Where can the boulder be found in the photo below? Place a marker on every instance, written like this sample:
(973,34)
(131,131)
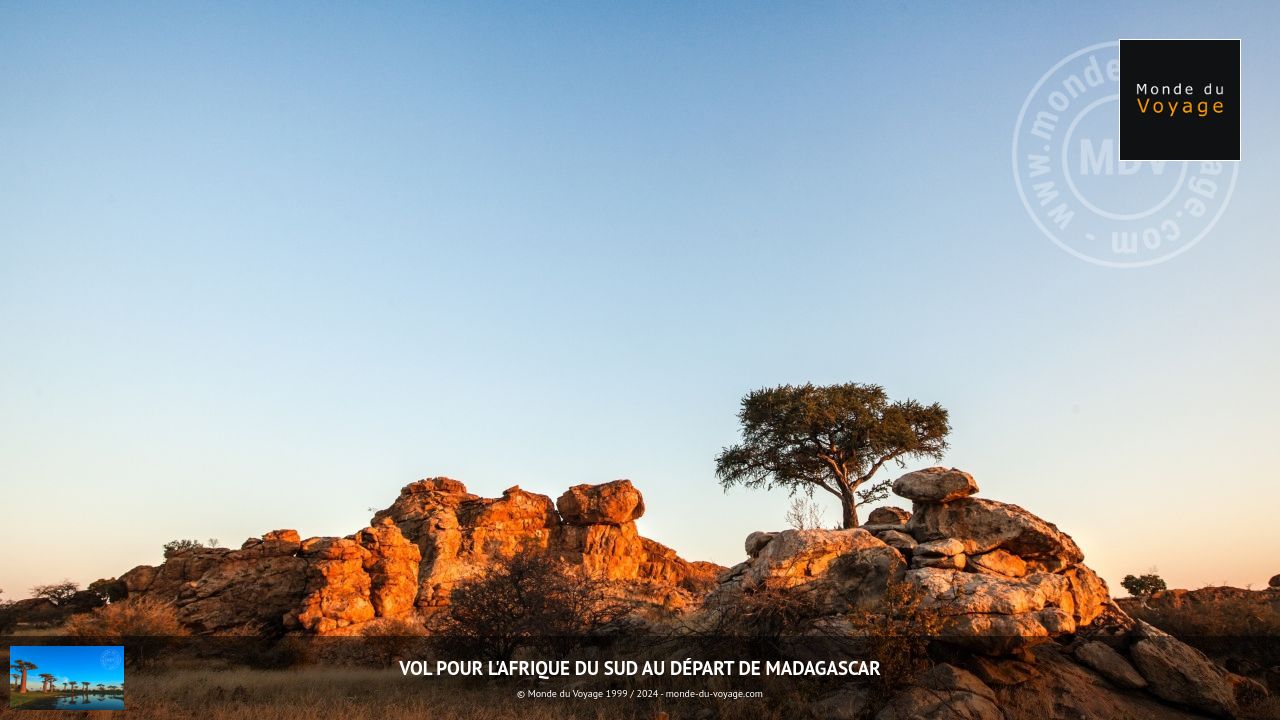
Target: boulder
(1089,594)
(946,554)
(840,569)
(944,692)
(139,579)
(940,548)
(1001,671)
(944,562)
(1063,689)
(899,541)
(1180,674)
(756,542)
(935,485)
(998,562)
(888,516)
(1108,663)
(995,614)
(612,503)
(1274,581)
(986,525)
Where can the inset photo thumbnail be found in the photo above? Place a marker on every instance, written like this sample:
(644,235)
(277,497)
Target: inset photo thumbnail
(77,677)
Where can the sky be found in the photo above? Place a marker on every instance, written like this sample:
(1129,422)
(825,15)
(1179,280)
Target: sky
(263,264)
(85,663)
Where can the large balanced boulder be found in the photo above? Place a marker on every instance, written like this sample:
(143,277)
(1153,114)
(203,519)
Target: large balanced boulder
(613,503)
(986,525)
(936,485)
(888,516)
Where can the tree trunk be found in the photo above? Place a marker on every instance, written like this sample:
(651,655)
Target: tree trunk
(849,508)
(23,687)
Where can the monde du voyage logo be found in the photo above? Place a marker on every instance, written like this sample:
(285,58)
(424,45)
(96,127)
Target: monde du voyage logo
(1123,152)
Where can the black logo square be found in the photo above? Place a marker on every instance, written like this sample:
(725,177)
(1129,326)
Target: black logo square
(1179,99)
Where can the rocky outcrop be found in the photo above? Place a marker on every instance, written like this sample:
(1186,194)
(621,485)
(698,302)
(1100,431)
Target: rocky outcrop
(592,526)
(1004,588)
(434,536)
(1274,581)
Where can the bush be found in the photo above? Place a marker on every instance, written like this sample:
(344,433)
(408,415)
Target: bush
(530,601)
(146,625)
(138,617)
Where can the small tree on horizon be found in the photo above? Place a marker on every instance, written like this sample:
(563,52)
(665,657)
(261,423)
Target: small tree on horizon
(832,437)
(56,593)
(1143,586)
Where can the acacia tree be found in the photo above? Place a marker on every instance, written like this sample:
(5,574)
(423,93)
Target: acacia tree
(57,593)
(1143,586)
(832,437)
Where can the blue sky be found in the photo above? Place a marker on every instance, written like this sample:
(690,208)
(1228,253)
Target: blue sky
(261,265)
(80,664)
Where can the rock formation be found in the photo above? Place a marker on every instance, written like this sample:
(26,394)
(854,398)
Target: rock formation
(1028,629)
(434,536)
(1012,596)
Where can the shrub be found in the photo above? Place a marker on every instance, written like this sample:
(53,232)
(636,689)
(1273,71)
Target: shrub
(137,617)
(530,601)
(146,625)
(176,546)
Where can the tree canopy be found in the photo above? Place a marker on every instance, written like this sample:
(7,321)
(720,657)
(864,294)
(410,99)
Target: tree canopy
(832,437)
